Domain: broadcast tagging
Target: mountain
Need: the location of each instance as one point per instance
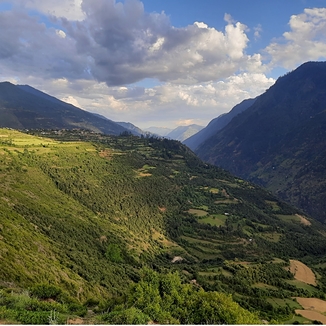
(183, 132)
(137, 229)
(160, 131)
(216, 124)
(279, 142)
(23, 107)
(133, 129)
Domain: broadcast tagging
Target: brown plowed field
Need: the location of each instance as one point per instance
(302, 272)
(313, 309)
(312, 315)
(312, 304)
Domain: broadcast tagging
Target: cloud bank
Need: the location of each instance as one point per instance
(96, 53)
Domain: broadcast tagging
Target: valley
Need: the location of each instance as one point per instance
(86, 219)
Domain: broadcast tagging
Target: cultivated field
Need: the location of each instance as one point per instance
(312, 315)
(302, 272)
(312, 304)
(314, 309)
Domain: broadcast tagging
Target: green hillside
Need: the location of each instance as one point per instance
(90, 223)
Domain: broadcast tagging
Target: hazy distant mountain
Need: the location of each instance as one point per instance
(133, 129)
(183, 132)
(24, 107)
(280, 141)
(160, 131)
(217, 124)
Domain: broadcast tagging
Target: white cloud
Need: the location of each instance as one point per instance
(61, 33)
(94, 62)
(126, 45)
(306, 40)
(70, 9)
(119, 43)
(71, 100)
(168, 104)
(258, 30)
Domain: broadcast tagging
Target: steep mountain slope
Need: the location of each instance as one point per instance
(279, 142)
(85, 216)
(183, 132)
(217, 124)
(23, 107)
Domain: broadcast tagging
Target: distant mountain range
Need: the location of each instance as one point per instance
(182, 133)
(280, 140)
(160, 131)
(24, 107)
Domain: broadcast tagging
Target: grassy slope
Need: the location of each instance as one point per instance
(63, 203)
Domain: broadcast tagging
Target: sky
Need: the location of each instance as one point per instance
(163, 63)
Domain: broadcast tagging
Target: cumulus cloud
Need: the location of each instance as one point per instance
(305, 41)
(29, 47)
(70, 9)
(126, 44)
(91, 53)
(168, 104)
(119, 43)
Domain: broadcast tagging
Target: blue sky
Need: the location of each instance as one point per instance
(154, 62)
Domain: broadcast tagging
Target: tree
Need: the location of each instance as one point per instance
(113, 253)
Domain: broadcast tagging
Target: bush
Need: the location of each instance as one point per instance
(113, 253)
(45, 291)
(131, 316)
(77, 309)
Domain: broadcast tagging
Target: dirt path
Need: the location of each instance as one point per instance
(302, 272)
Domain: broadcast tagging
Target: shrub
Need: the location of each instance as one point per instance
(45, 291)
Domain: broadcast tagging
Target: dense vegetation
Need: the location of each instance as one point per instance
(86, 219)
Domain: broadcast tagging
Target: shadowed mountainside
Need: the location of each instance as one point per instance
(216, 124)
(279, 142)
(24, 107)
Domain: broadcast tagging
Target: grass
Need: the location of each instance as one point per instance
(197, 212)
(274, 205)
(271, 236)
(289, 218)
(297, 319)
(197, 240)
(226, 201)
(302, 285)
(216, 219)
(264, 286)
(278, 302)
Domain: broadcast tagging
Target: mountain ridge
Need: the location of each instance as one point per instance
(216, 124)
(24, 107)
(249, 145)
(182, 133)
